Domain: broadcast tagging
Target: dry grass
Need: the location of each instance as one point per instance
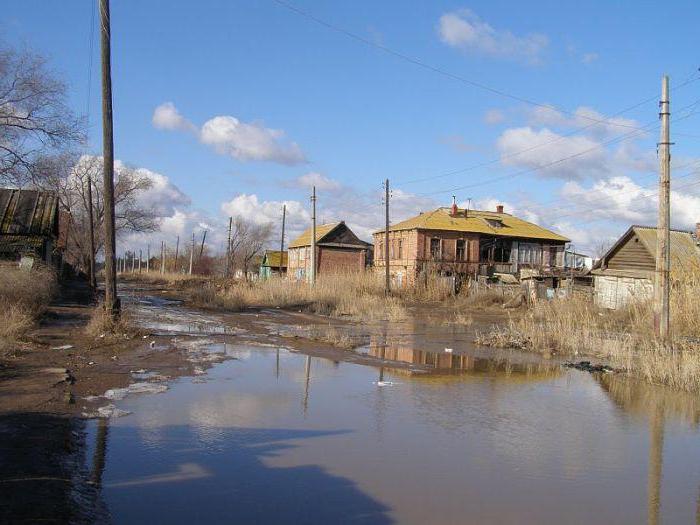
(24, 294)
(357, 296)
(624, 337)
(155, 277)
(332, 336)
(103, 326)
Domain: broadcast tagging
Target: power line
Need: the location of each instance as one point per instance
(441, 71)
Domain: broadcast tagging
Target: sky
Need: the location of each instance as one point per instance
(236, 108)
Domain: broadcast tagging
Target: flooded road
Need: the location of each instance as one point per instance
(275, 436)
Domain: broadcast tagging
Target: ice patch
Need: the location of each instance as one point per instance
(134, 388)
(107, 411)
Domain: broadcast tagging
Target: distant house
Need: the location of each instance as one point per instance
(29, 227)
(274, 262)
(577, 261)
(458, 242)
(338, 250)
(626, 272)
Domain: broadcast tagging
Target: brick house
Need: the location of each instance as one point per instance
(461, 243)
(338, 249)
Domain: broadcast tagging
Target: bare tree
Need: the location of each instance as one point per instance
(247, 241)
(35, 119)
(69, 178)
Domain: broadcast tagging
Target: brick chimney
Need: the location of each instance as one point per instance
(453, 210)
(499, 208)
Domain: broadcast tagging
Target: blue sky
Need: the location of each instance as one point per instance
(263, 101)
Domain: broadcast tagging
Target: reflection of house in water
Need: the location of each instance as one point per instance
(405, 350)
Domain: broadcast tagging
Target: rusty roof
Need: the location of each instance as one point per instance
(321, 231)
(475, 221)
(28, 212)
(272, 259)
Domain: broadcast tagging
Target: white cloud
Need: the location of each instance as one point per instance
(230, 136)
(589, 58)
(319, 180)
(594, 122)
(465, 30)
(494, 116)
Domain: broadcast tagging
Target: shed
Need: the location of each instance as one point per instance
(626, 272)
(274, 262)
(338, 250)
(29, 226)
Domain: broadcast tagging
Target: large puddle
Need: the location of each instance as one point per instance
(273, 436)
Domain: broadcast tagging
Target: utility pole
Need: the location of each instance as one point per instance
(111, 299)
(177, 250)
(191, 254)
(162, 257)
(387, 276)
(148, 258)
(663, 233)
(228, 247)
(140, 257)
(201, 249)
(312, 274)
(284, 216)
(93, 277)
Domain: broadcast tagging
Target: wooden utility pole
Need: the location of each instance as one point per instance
(228, 247)
(177, 250)
(387, 275)
(312, 274)
(111, 298)
(140, 258)
(162, 257)
(201, 249)
(191, 254)
(91, 226)
(663, 234)
(284, 216)
(148, 258)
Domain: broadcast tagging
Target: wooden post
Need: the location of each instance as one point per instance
(191, 254)
(148, 258)
(111, 298)
(663, 234)
(140, 257)
(284, 216)
(312, 274)
(91, 228)
(177, 250)
(201, 249)
(162, 257)
(228, 248)
(387, 275)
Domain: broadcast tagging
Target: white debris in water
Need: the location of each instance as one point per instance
(198, 371)
(107, 411)
(135, 388)
(62, 347)
(384, 383)
(448, 350)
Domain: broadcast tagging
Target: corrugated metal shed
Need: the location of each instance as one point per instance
(321, 231)
(475, 221)
(28, 212)
(272, 259)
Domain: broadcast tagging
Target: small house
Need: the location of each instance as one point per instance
(338, 250)
(274, 262)
(29, 227)
(626, 272)
(461, 243)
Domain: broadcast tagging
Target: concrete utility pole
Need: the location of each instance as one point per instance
(387, 275)
(148, 258)
(140, 258)
(312, 274)
(284, 216)
(191, 254)
(111, 299)
(162, 257)
(228, 247)
(91, 228)
(663, 234)
(177, 250)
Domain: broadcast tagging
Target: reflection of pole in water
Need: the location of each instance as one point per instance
(98, 458)
(381, 368)
(656, 449)
(306, 384)
(277, 364)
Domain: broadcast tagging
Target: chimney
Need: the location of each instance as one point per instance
(499, 208)
(454, 206)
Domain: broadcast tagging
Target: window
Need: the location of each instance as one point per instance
(380, 251)
(400, 250)
(461, 250)
(494, 223)
(494, 250)
(435, 248)
(391, 249)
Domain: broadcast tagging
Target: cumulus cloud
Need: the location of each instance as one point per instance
(227, 135)
(322, 183)
(594, 122)
(463, 29)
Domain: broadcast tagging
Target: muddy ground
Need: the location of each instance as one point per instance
(63, 371)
